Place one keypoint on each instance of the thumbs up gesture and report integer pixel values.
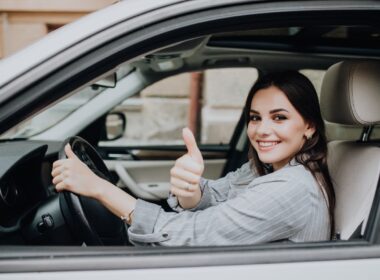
(186, 173)
(73, 175)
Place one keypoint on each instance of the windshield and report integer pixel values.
(53, 114)
(50, 117)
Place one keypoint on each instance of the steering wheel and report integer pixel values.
(89, 221)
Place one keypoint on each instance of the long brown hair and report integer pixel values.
(313, 155)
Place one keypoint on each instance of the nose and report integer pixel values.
(264, 127)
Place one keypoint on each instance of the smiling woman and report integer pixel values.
(246, 206)
(290, 203)
(290, 127)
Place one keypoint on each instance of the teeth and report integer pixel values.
(267, 144)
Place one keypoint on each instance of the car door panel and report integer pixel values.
(150, 179)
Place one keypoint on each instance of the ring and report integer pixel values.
(187, 186)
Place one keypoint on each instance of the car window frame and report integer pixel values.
(53, 259)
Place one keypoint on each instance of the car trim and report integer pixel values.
(16, 259)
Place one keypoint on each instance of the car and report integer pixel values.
(93, 79)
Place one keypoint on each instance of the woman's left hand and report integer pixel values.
(73, 175)
(186, 174)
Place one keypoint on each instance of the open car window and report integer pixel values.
(155, 114)
(213, 43)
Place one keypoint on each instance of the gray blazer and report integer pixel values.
(240, 208)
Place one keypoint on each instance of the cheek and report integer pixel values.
(290, 131)
(251, 130)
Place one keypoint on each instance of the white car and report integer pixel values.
(76, 81)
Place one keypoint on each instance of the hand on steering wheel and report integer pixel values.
(77, 178)
(73, 175)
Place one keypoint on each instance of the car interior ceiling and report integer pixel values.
(282, 48)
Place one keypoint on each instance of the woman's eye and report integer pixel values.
(279, 117)
(254, 118)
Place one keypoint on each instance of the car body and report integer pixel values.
(143, 44)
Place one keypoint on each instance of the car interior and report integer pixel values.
(32, 213)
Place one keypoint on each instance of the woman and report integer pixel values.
(283, 193)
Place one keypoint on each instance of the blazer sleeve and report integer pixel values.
(216, 191)
(272, 210)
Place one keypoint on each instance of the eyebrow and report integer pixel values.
(271, 111)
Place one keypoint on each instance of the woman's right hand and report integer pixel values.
(186, 173)
(73, 175)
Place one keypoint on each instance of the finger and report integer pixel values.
(69, 152)
(58, 179)
(180, 193)
(191, 145)
(60, 187)
(58, 163)
(185, 175)
(57, 170)
(178, 183)
(188, 163)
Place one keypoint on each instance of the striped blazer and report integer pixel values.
(240, 208)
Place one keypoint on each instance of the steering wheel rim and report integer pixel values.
(89, 221)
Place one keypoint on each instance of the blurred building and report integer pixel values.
(24, 21)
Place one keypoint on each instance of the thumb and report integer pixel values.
(191, 145)
(69, 152)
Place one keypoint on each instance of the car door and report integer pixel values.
(141, 34)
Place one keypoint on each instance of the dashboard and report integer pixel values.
(25, 183)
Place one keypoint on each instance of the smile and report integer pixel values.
(267, 145)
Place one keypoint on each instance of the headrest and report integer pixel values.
(350, 93)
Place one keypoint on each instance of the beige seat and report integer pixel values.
(351, 95)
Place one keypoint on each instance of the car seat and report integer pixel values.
(350, 95)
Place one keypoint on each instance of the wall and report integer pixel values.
(24, 21)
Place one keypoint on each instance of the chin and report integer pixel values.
(267, 160)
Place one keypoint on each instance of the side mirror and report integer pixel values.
(115, 125)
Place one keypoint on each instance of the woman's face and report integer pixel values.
(276, 130)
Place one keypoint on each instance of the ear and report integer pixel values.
(309, 130)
